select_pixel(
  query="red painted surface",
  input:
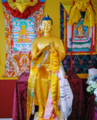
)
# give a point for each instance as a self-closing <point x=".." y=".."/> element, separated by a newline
<point x="6" y="98"/>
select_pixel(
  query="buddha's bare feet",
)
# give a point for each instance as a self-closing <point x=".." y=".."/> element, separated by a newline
<point x="40" y="111"/>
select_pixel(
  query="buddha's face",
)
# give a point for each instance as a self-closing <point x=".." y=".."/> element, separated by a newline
<point x="46" y="26"/>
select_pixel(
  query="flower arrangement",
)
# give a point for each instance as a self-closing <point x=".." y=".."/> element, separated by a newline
<point x="92" y="88"/>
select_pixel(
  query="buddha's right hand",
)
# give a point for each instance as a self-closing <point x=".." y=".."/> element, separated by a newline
<point x="52" y="48"/>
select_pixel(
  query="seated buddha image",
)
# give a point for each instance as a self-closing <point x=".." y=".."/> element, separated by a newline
<point x="23" y="35"/>
<point x="80" y="30"/>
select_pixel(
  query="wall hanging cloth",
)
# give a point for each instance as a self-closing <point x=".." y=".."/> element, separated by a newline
<point x="19" y="35"/>
<point x="80" y="42"/>
<point x="73" y="9"/>
<point x="22" y="9"/>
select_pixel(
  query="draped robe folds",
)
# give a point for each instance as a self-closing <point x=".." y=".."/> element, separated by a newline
<point x="44" y="74"/>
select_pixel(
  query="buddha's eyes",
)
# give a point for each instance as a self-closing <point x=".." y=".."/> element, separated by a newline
<point x="46" y="25"/>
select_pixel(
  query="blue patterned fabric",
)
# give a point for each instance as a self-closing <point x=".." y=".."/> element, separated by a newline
<point x="81" y="63"/>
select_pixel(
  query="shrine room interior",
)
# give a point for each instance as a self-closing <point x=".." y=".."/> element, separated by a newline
<point x="79" y="39"/>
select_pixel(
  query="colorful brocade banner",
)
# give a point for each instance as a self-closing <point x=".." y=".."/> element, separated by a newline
<point x="77" y="40"/>
<point x="19" y="35"/>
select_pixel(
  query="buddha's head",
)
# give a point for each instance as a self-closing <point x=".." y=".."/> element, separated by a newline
<point x="23" y="27"/>
<point x="46" y="24"/>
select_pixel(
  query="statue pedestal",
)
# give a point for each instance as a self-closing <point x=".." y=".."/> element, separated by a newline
<point x="60" y="117"/>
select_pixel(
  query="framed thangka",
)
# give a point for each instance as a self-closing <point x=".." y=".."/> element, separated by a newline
<point x="19" y="36"/>
<point x="79" y="40"/>
<point x="23" y="33"/>
<point x="81" y="36"/>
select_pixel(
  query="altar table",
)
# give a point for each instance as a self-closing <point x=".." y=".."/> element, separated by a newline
<point x="20" y="97"/>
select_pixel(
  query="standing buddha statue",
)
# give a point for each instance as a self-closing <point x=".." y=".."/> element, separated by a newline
<point x="47" y="52"/>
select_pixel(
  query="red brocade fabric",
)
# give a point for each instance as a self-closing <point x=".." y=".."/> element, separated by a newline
<point x="26" y="13"/>
<point x="20" y="96"/>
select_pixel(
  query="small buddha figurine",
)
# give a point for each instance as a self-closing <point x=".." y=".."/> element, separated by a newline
<point x="23" y="35"/>
<point x="42" y="83"/>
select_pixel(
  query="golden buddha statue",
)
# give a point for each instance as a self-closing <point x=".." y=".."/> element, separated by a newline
<point x="39" y="78"/>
